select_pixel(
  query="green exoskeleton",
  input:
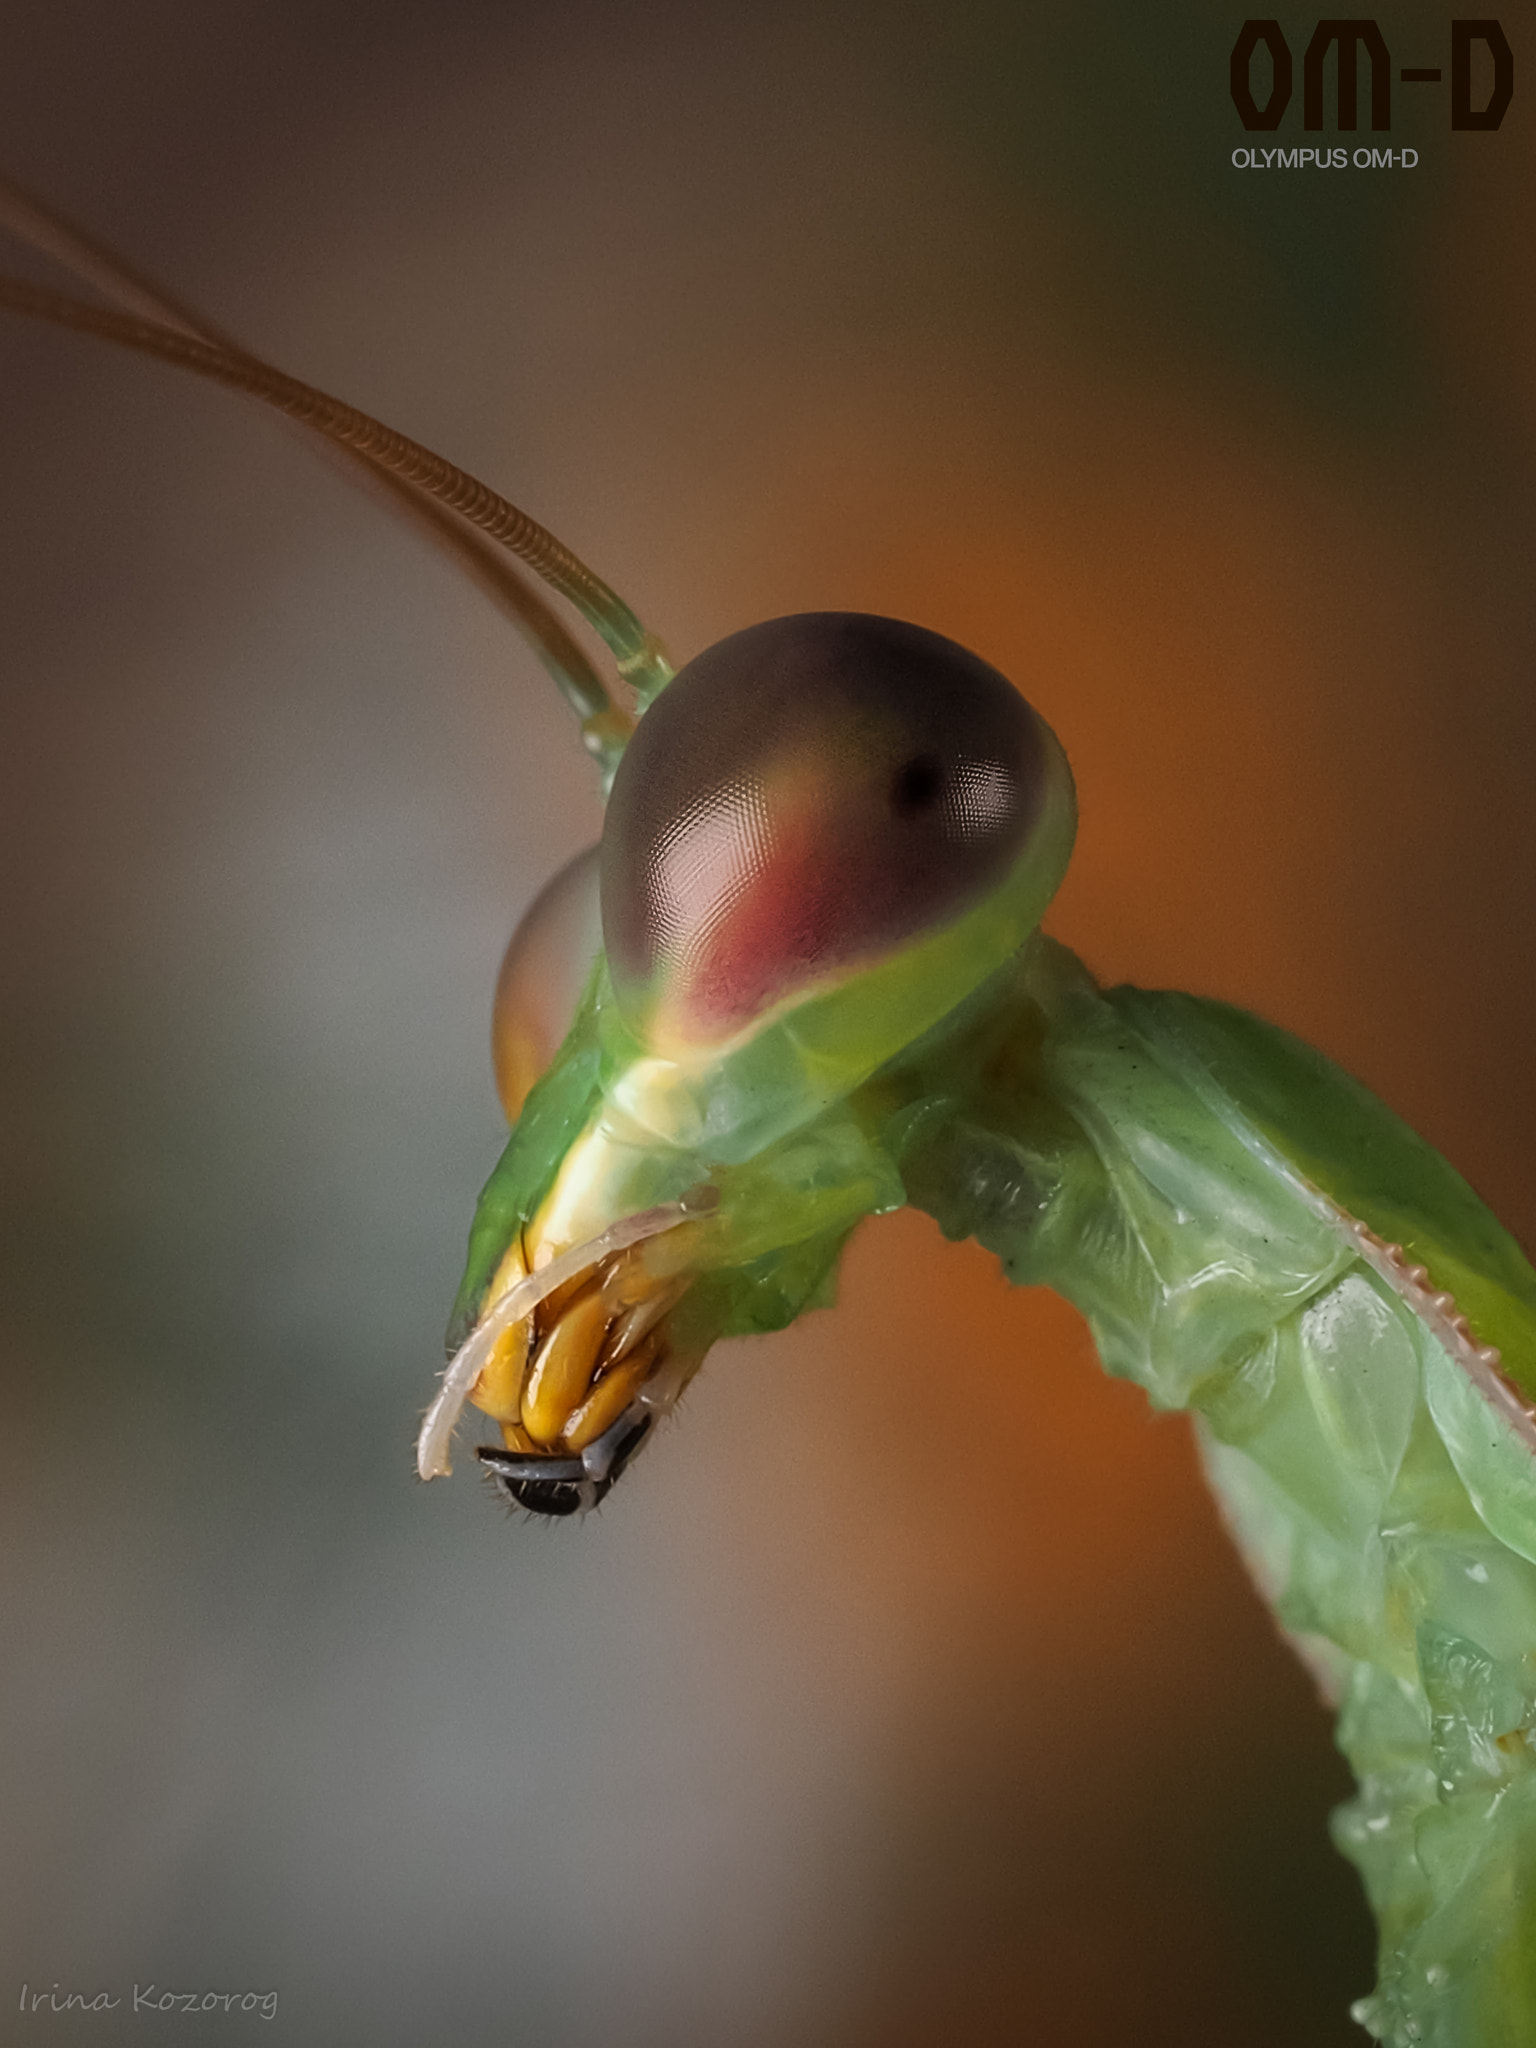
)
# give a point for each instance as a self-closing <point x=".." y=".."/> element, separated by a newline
<point x="803" y="981"/>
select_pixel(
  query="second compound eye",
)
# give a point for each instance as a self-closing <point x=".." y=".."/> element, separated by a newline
<point x="542" y="976"/>
<point x="805" y="798"/>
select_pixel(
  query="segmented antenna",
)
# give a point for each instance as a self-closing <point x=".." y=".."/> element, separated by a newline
<point x="463" y="516"/>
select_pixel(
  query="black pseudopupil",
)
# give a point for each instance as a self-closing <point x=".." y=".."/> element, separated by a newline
<point x="917" y="785"/>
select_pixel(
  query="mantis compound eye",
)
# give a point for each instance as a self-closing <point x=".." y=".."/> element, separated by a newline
<point x="542" y="977"/>
<point x="810" y="797"/>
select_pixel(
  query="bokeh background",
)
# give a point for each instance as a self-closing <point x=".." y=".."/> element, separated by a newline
<point x="822" y="1731"/>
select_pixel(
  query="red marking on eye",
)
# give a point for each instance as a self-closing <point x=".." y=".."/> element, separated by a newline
<point x="783" y="926"/>
<point x="787" y="918"/>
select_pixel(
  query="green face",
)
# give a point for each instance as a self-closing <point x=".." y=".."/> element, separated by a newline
<point x="826" y="836"/>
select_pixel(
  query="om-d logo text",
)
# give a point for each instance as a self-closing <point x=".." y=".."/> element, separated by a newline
<point x="1349" y="37"/>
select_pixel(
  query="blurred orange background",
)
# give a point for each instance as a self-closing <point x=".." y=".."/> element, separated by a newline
<point x="826" y="1730"/>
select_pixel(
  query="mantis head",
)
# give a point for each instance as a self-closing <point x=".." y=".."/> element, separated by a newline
<point x="826" y="834"/>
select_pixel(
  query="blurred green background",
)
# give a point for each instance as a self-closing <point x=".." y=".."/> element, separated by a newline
<point x="827" y="1730"/>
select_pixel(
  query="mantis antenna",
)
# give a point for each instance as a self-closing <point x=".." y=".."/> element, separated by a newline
<point x="605" y="726"/>
<point x="464" y="517"/>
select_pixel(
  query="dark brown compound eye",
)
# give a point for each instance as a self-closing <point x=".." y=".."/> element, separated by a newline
<point x="804" y="798"/>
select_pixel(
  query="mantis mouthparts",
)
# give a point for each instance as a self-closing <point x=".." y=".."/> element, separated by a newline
<point x="433" y="1445"/>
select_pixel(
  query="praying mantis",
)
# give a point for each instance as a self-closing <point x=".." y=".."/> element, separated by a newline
<point x="1247" y="1232"/>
